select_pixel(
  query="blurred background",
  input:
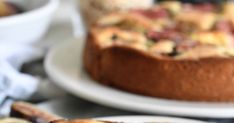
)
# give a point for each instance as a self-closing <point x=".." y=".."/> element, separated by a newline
<point x="28" y="31"/>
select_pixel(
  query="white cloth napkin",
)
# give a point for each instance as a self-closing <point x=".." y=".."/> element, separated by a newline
<point x="14" y="84"/>
<point x="17" y="85"/>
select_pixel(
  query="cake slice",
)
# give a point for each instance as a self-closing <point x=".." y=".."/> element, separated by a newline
<point x="31" y="113"/>
<point x="22" y="112"/>
<point x="8" y="9"/>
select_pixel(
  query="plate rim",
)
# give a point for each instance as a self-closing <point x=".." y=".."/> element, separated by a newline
<point x="58" y="80"/>
<point x="182" y="120"/>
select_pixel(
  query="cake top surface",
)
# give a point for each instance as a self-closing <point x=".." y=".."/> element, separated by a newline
<point x="171" y="30"/>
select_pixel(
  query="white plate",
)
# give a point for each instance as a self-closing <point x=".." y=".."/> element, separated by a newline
<point x="148" y="119"/>
<point x="64" y="66"/>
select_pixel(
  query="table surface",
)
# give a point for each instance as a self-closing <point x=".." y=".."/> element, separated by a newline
<point x="55" y="99"/>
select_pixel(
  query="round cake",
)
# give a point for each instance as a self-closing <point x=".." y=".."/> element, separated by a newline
<point x="174" y="50"/>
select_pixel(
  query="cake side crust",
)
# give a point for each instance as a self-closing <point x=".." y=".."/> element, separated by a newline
<point x="205" y="79"/>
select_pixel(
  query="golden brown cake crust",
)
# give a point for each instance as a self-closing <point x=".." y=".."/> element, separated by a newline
<point x="205" y="79"/>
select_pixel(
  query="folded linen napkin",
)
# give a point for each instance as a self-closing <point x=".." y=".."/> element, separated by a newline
<point x="14" y="84"/>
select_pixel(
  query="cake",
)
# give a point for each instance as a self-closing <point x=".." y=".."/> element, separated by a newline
<point x="22" y="112"/>
<point x="8" y="9"/>
<point x="174" y="50"/>
<point x="31" y="113"/>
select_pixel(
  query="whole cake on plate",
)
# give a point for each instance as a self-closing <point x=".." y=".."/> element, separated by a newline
<point x="174" y="50"/>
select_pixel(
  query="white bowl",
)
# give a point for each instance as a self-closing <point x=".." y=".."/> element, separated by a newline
<point x="29" y="26"/>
